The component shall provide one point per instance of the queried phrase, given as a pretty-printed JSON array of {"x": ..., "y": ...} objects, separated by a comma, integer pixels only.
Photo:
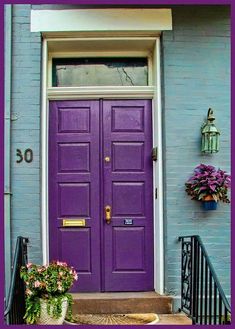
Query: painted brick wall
[
  {"x": 196, "y": 76},
  {"x": 26, "y": 68}
]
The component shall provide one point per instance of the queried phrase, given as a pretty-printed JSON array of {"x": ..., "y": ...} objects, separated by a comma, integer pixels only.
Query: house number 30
[{"x": 26, "y": 156}]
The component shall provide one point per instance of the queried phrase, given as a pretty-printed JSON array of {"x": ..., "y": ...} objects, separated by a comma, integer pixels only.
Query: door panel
[
  {"x": 68, "y": 151},
  {"x": 80, "y": 257},
  {"x": 82, "y": 181},
  {"x": 124, "y": 240},
  {"x": 128, "y": 189},
  {"x": 74, "y": 188},
  {"x": 128, "y": 198},
  {"x": 135, "y": 160}
]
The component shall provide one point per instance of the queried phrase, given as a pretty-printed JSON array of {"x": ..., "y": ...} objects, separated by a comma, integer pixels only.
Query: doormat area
[{"x": 115, "y": 319}]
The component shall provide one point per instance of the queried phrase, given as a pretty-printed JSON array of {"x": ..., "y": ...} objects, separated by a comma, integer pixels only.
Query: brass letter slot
[{"x": 75, "y": 222}]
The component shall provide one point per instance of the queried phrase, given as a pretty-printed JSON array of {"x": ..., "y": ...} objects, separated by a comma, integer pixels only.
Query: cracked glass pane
[{"x": 128, "y": 71}]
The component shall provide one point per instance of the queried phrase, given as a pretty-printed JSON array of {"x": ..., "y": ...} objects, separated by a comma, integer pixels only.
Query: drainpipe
[{"x": 7, "y": 144}]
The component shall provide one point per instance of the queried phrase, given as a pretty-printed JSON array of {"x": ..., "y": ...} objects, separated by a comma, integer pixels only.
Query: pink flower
[
  {"x": 61, "y": 263},
  {"x": 74, "y": 273},
  {"x": 28, "y": 292},
  {"x": 37, "y": 284},
  {"x": 40, "y": 269},
  {"x": 59, "y": 285},
  {"x": 29, "y": 265}
]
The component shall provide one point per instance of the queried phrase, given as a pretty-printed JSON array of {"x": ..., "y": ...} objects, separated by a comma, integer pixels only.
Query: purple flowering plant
[
  {"x": 49, "y": 282},
  {"x": 207, "y": 180}
]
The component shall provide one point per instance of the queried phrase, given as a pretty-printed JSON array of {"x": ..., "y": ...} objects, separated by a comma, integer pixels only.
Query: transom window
[{"x": 102, "y": 71}]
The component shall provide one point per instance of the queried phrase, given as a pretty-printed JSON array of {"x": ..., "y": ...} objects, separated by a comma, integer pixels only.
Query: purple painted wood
[
  {"x": 108, "y": 257},
  {"x": 74, "y": 188},
  {"x": 128, "y": 177}
]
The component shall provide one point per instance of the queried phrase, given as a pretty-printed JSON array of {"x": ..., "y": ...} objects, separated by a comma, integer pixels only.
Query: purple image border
[{"x": 103, "y": 3}]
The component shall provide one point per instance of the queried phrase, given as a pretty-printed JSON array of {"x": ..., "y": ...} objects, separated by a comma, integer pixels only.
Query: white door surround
[{"x": 84, "y": 46}]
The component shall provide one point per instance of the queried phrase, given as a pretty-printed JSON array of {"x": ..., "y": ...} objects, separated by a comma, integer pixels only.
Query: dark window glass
[{"x": 71, "y": 72}]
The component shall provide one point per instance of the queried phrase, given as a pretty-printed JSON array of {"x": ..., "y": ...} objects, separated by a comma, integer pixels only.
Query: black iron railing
[
  {"x": 202, "y": 297},
  {"x": 15, "y": 305}
]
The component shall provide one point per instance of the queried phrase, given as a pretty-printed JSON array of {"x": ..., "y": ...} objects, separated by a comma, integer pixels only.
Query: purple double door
[{"x": 101, "y": 193}]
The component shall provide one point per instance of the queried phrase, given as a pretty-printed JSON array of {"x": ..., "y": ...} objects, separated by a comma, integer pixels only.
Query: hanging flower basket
[{"x": 209, "y": 185}]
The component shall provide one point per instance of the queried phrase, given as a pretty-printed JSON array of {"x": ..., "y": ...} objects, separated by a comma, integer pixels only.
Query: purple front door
[{"x": 101, "y": 193}]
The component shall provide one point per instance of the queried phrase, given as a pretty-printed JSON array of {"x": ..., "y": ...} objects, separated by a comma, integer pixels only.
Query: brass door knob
[
  {"x": 107, "y": 210},
  {"x": 107, "y": 159}
]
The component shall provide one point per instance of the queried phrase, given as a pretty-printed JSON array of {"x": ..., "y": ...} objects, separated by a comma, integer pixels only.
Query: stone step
[
  {"x": 121, "y": 302},
  {"x": 175, "y": 319}
]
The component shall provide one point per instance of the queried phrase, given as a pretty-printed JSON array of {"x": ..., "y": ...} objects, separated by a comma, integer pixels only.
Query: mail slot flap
[{"x": 73, "y": 222}]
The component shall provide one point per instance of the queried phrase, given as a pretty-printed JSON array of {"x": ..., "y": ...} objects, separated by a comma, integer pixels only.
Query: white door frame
[{"x": 154, "y": 92}]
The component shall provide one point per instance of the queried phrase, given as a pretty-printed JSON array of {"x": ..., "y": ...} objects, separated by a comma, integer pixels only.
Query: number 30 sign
[{"x": 26, "y": 156}]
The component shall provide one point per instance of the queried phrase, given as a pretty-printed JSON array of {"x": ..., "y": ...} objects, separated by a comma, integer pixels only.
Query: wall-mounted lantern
[{"x": 210, "y": 134}]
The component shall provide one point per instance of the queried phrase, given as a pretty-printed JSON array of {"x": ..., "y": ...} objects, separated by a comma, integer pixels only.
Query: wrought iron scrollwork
[
  {"x": 186, "y": 275},
  {"x": 202, "y": 297},
  {"x": 15, "y": 304}
]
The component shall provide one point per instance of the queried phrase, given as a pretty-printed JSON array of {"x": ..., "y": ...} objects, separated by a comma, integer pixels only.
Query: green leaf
[
  {"x": 215, "y": 197},
  {"x": 201, "y": 195}
]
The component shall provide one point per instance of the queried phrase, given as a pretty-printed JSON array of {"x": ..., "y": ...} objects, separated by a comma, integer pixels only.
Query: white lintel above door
[{"x": 88, "y": 20}]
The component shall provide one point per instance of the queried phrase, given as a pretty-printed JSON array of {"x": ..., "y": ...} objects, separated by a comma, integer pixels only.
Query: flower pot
[
  {"x": 208, "y": 198},
  {"x": 46, "y": 318},
  {"x": 209, "y": 205}
]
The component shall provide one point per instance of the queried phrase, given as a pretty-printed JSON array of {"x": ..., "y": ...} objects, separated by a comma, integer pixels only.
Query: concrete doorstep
[{"x": 106, "y": 305}]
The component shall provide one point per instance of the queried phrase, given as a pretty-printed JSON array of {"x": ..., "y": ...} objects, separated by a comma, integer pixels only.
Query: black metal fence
[
  {"x": 202, "y": 297},
  {"x": 15, "y": 305}
]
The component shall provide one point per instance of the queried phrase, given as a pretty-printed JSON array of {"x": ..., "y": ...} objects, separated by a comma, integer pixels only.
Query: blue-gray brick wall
[
  {"x": 195, "y": 76},
  {"x": 25, "y": 130}
]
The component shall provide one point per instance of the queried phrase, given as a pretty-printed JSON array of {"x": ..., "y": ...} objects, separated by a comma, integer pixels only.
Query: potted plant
[
  {"x": 47, "y": 300},
  {"x": 209, "y": 185}
]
